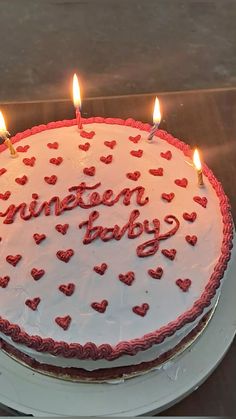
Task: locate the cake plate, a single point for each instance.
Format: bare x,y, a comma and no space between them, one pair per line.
32,393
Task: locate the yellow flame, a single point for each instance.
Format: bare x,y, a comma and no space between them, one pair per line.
2,123
157,112
76,92
196,160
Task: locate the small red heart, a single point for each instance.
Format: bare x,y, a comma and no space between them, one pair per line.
84,147
65,255
100,307
191,240
35,195
127,278
167,155
5,195
100,269
156,172
90,171
33,304
2,171
168,196
63,322
39,237
183,284
88,135
201,200
37,273
190,217
4,281
29,161
136,139
181,182
133,176
21,180
51,180
22,149
67,289
54,145
136,153
156,273
107,159
170,254
62,228
110,144
13,260
56,160
141,310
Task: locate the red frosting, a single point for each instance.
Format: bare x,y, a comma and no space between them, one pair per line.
132,347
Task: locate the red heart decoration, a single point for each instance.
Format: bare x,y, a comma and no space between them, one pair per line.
107,159
170,254
88,135
56,160
21,180
63,322
22,149
190,217
156,172
2,171
136,139
201,200
136,153
5,195
33,304
35,195
110,144
37,273
39,237
100,307
167,155
29,161
127,278
13,260
133,176
4,281
65,255
191,240
67,289
84,147
90,171
181,182
156,273
62,228
100,269
183,284
54,145
141,310
168,196
51,180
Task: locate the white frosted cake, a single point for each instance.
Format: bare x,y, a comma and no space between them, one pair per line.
111,255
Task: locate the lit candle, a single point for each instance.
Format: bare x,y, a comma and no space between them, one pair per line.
77,101
5,137
156,119
198,166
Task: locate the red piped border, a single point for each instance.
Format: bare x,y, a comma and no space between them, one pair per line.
132,347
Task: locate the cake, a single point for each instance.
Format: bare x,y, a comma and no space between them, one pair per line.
112,256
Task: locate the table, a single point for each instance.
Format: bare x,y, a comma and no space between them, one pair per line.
206,118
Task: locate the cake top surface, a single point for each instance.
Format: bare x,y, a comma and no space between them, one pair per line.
106,238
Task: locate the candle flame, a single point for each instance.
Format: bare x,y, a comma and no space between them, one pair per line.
2,122
76,92
196,160
157,112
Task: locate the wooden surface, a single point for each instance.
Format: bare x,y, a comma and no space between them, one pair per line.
203,118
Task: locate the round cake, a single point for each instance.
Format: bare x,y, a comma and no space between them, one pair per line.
112,256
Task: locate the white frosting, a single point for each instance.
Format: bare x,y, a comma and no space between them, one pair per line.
164,297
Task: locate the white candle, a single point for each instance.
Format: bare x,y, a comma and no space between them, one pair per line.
198,166
5,137
77,101
156,119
